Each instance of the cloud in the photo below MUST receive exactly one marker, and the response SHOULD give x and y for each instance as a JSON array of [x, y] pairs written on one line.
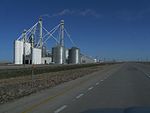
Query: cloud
[[90, 12], [63, 13], [66, 12]]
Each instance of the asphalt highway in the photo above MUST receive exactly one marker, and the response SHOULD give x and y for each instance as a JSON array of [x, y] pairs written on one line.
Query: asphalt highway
[[113, 88]]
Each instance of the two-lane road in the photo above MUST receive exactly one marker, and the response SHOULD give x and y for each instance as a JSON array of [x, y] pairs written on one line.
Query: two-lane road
[[116, 86]]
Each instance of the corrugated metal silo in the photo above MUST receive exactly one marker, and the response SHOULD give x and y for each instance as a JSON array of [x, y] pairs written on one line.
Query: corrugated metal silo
[[58, 55], [74, 55], [67, 53]]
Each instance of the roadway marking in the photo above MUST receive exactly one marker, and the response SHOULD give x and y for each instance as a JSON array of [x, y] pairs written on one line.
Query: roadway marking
[[60, 109], [102, 80], [80, 95], [51, 98], [147, 75], [97, 83], [90, 88]]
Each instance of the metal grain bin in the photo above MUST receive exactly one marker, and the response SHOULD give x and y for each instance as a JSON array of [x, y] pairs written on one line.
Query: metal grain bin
[[74, 55], [58, 55]]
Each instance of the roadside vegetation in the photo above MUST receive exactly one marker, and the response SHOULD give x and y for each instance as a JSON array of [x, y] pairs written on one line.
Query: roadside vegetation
[[10, 73], [17, 83]]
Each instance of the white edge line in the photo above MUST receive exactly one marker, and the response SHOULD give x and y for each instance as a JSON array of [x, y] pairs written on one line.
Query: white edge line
[[60, 109]]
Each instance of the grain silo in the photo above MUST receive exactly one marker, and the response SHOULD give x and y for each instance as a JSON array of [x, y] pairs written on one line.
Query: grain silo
[[58, 55], [74, 55], [18, 52], [36, 56]]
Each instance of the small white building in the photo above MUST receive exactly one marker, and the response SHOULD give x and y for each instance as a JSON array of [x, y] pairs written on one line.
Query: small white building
[[46, 60], [86, 59]]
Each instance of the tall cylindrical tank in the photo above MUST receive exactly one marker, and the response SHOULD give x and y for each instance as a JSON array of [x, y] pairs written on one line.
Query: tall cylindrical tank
[[58, 55], [36, 56], [74, 55], [67, 55], [18, 52], [44, 51], [27, 48]]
